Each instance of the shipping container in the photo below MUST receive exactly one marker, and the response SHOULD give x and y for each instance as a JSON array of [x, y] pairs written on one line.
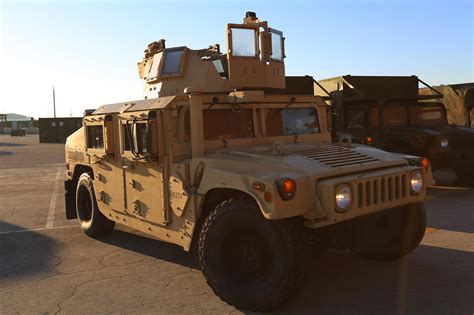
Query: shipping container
[[56, 130]]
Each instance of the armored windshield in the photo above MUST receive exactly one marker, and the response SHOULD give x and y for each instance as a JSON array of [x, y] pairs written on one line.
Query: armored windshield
[[225, 124], [395, 116], [243, 42], [277, 45], [427, 116], [291, 121]]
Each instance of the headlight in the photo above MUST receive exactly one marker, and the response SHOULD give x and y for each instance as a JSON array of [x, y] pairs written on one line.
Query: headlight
[[343, 197], [416, 182], [444, 143]]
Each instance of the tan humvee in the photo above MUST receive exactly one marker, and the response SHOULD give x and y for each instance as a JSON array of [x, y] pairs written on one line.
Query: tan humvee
[[221, 155]]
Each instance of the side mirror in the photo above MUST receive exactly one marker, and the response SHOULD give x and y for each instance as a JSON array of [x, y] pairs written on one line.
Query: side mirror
[[134, 142], [334, 126]]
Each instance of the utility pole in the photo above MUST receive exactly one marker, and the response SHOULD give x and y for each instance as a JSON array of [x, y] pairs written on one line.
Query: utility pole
[[54, 103]]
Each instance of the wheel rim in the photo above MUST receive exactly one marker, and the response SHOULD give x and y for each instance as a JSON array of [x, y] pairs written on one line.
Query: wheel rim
[[246, 256], [84, 205]]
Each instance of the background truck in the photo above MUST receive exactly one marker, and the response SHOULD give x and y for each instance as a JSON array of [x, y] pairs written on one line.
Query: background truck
[[390, 113], [458, 99]]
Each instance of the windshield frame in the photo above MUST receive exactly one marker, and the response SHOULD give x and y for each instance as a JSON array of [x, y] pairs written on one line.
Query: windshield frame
[[260, 138]]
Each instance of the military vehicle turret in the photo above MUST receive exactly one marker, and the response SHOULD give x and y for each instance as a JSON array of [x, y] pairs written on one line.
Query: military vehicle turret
[[222, 154]]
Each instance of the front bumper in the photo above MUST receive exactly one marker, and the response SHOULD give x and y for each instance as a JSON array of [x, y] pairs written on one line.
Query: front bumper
[[371, 192]]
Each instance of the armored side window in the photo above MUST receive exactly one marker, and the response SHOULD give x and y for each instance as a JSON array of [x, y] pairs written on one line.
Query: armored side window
[[219, 67], [291, 121], [172, 61], [95, 137], [243, 42], [143, 138], [277, 45], [137, 137], [127, 137]]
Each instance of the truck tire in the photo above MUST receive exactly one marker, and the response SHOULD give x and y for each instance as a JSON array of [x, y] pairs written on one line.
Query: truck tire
[[250, 262], [403, 241], [464, 177], [92, 221]]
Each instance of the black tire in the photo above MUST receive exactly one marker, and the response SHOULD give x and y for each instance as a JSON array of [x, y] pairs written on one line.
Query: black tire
[[250, 262], [92, 221], [403, 241], [464, 177]]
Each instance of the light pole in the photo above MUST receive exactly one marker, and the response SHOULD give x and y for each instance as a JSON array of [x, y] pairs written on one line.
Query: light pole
[[54, 103]]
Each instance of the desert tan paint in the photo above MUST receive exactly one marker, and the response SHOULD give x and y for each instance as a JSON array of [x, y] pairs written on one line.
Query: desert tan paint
[[161, 193]]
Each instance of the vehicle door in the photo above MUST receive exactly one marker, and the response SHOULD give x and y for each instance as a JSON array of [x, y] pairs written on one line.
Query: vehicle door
[[101, 155], [143, 167]]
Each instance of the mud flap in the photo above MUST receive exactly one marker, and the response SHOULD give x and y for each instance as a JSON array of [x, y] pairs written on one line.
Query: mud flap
[[70, 198]]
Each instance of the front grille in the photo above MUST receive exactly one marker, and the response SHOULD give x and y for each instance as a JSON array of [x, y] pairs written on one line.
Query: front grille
[[463, 143], [336, 156], [373, 192]]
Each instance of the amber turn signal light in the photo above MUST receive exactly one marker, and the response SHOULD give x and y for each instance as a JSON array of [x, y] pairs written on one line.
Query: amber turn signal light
[[289, 185], [286, 188], [268, 196], [425, 163]]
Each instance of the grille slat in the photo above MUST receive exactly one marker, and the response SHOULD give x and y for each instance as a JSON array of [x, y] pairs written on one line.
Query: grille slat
[[463, 144], [336, 156], [373, 192]]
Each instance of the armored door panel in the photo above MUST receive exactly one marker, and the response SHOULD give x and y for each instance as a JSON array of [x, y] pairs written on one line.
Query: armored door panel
[[107, 164], [142, 166], [109, 184], [144, 191]]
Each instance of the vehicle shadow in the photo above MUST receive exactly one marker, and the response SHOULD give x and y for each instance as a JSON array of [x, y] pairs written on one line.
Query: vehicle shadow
[[5, 153], [9, 144], [450, 208], [144, 245], [24, 253], [431, 280]]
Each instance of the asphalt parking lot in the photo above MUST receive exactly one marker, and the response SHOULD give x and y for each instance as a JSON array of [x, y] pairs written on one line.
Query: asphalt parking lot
[[47, 265]]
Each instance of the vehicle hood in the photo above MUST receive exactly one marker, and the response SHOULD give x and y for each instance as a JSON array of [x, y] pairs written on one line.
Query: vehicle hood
[[437, 131], [302, 159]]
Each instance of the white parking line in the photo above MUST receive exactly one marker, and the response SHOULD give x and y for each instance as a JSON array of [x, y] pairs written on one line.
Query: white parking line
[[52, 204], [39, 229]]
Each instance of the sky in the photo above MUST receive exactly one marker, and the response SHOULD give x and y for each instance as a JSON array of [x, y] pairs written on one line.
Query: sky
[[88, 50]]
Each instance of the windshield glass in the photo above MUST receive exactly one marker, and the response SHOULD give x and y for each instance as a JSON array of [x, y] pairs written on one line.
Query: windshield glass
[[395, 116], [291, 121], [277, 46], [243, 42], [427, 115], [225, 124]]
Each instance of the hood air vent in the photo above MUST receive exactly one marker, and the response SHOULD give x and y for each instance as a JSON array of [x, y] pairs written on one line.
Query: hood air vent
[[336, 156]]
